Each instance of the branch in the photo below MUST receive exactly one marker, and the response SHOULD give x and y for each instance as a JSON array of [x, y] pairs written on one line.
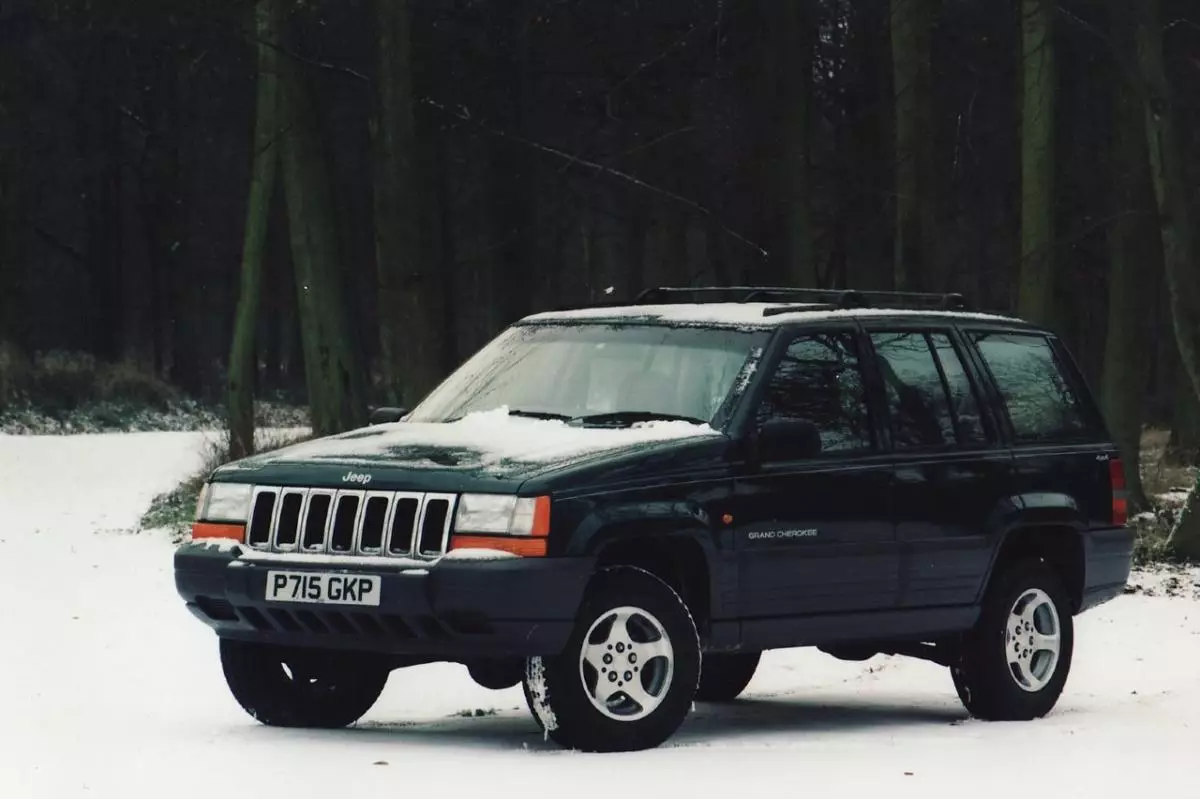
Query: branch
[[465, 115], [55, 241], [141, 123], [312, 62]]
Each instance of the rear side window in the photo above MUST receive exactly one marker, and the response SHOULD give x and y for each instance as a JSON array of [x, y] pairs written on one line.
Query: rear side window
[[930, 401], [916, 396], [964, 404], [819, 381], [1041, 403]]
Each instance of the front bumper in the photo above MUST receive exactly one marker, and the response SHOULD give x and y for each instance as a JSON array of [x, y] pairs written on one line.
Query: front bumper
[[447, 610]]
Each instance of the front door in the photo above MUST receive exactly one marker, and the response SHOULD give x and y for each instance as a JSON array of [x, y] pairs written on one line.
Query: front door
[[814, 534]]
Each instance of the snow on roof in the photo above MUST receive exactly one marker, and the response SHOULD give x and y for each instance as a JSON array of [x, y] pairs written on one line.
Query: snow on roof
[[745, 314]]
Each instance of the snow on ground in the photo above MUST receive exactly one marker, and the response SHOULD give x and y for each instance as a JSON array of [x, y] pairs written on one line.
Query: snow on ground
[[111, 689]]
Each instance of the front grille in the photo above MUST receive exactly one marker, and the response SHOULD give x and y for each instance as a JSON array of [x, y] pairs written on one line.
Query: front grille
[[327, 521]]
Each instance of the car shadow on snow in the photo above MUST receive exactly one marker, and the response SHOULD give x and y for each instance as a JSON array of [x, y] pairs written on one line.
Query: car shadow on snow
[[751, 717], [708, 725]]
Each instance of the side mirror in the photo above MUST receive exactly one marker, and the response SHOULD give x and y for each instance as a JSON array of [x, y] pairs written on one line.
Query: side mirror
[[788, 440], [387, 415]]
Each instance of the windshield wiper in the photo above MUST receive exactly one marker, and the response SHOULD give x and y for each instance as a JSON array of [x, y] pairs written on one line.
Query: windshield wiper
[[560, 417], [633, 417]]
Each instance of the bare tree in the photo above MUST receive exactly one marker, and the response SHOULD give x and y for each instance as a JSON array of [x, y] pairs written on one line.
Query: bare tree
[[1175, 214], [411, 300], [336, 392], [912, 23], [243, 354], [1036, 292], [1131, 239]]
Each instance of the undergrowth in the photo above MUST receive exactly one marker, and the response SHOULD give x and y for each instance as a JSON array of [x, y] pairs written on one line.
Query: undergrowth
[[175, 510], [60, 392], [1167, 483]]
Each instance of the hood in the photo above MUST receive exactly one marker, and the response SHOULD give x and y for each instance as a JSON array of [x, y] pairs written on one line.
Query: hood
[[484, 451]]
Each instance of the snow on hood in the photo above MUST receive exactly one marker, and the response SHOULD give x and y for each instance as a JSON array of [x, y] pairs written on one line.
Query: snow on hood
[[488, 439]]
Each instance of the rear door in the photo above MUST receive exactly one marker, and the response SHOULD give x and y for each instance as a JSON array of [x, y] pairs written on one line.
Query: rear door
[[953, 474], [1061, 447], [815, 535]]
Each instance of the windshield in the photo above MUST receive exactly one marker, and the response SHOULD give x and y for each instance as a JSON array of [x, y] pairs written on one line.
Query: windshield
[[600, 373]]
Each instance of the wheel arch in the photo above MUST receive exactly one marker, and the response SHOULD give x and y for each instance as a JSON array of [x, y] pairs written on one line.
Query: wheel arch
[[1059, 543], [681, 557]]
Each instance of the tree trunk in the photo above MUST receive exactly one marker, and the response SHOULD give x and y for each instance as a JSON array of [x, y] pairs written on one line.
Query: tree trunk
[[1130, 295], [12, 241], [411, 304], [1184, 445], [101, 150], [513, 167], [794, 53], [1169, 174], [1036, 295], [911, 26], [243, 354], [335, 378]]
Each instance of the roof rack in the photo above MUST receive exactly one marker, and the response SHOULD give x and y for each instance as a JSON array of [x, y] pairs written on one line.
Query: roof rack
[[826, 299]]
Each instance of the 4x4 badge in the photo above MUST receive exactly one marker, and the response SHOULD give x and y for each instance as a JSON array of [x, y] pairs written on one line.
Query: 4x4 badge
[[353, 477]]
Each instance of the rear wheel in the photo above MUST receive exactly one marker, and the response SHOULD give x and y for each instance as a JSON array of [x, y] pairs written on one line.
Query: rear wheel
[[284, 687], [628, 675], [723, 677], [1014, 664]]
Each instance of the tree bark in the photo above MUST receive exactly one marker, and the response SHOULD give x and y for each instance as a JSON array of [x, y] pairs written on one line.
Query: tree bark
[[911, 28], [12, 240], [795, 55], [1168, 171], [335, 377], [1130, 295], [1184, 444], [243, 354], [1036, 296], [411, 301], [100, 146]]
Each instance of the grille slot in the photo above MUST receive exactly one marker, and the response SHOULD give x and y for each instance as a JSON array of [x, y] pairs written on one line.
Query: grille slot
[[345, 519], [316, 521], [435, 525], [374, 520], [261, 517], [404, 525], [322, 520], [287, 529]]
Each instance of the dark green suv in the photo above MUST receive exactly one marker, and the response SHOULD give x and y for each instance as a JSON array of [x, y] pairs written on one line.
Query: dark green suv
[[623, 507]]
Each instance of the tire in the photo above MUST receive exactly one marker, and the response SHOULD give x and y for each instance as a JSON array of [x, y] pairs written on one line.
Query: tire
[[723, 677], [638, 632], [283, 687], [1028, 615]]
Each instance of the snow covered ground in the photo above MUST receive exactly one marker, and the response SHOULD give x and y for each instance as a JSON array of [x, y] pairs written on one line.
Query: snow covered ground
[[111, 689]]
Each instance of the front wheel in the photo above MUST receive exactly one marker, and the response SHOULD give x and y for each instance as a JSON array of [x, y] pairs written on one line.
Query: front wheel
[[627, 677], [285, 687], [1014, 664]]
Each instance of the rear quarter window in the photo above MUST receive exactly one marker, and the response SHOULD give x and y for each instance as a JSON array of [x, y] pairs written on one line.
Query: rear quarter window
[[1042, 403]]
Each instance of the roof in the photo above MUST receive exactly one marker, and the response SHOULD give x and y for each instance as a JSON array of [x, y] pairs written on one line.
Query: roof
[[749, 315]]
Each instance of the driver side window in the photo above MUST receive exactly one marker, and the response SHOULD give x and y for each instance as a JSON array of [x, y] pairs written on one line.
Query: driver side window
[[819, 381]]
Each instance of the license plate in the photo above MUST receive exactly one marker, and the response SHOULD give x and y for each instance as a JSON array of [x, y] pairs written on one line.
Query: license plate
[[323, 589]]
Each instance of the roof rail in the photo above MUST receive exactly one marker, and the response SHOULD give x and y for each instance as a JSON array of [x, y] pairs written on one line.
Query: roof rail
[[833, 298]]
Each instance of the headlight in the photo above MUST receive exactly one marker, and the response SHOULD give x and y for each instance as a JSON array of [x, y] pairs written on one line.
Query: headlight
[[225, 502], [200, 500], [497, 514]]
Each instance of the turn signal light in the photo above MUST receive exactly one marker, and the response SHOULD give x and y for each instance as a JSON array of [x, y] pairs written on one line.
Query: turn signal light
[[522, 547], [234, 532]]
